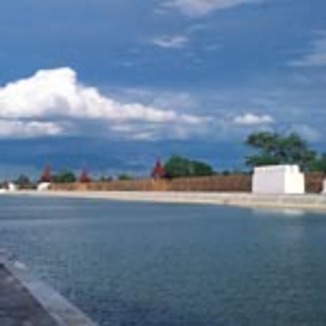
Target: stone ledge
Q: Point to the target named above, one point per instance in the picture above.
(24, 300)
(306, 202)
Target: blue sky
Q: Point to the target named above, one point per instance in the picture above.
(112, 84)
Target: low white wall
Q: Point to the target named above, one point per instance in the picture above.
(278, 179)
(324, 187)
(43, 186)
(12, 187)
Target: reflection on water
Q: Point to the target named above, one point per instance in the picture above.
(280, 211)
(153, 264)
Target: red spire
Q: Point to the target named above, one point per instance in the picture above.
(84, 177)
(46, 175)
(158, 171)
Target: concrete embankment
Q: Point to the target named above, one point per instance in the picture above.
(24, 300)
(308, 202)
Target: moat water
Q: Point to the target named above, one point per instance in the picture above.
(166, 264)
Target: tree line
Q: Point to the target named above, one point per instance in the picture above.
(266, 148)
(273, 149)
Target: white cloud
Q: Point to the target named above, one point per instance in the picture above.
(45, 102)
(196, 8)
(164, 99)
(316, 55)
(171, 42)
(249, 119)
(28, 128)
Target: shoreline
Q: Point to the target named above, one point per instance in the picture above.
(26, 300)
(306, 202)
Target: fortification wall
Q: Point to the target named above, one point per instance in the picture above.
(232, 183)
(218, 183)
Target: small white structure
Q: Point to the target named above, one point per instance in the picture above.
(8, 187)
(43, 186)
(278, 179)
(12, 187)
(324, 187)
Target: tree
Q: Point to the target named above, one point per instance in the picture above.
(279, 149)
(125, 177)
(319, 164)
(23, 182)
(178, 166)
(65, 177)
(201, 169)
(106, 178)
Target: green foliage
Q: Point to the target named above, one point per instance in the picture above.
(319, 164)
(65, 177)
(261, 160)
(201, 169)
(278, 149)
(178, 166)
(23, 182)
(125, 177)
(106, 179)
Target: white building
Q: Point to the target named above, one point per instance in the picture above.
(278, 179)
(324, 187)
(43, 186)
(12, 187)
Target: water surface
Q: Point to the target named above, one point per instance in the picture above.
(167, 264)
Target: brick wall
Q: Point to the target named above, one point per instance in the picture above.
(231, 183)
(216, 183)
(314, 182)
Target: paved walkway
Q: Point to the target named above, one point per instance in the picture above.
(17, 305)
(307, 202)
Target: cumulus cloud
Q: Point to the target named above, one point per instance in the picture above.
(45, 102)
(196, 8)
(249, 119)
(164, 99)
(316, 55)
(171, 42)
(28, 128)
